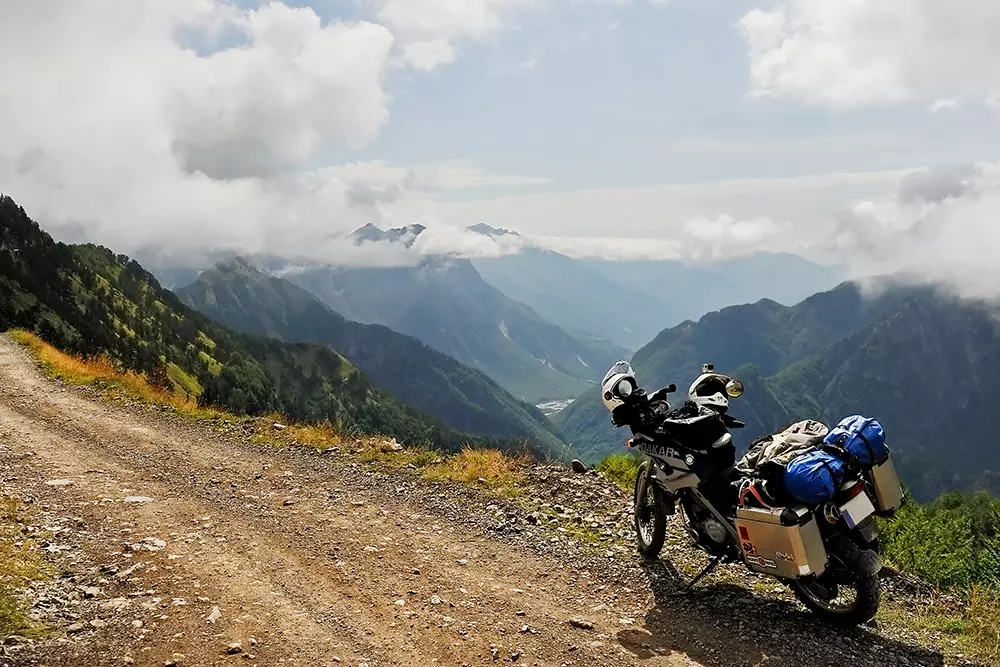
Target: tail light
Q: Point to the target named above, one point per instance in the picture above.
(853, 491)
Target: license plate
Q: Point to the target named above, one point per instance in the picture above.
(857, 509)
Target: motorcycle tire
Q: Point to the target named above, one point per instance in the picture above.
(649, 516)
(867, 587)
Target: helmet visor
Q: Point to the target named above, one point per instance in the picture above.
(620, 368)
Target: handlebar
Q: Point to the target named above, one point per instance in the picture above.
(661, 394)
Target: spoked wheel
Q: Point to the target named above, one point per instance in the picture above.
(848, 593)
(650, 518)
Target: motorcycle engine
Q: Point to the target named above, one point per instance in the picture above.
(714, 530)
(707, 533)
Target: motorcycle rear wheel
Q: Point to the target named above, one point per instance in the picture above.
(866, 586)
(649, 516)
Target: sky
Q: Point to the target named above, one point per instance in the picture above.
(862, 132)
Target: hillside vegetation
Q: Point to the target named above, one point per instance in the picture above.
(87, 300)
(237, 295)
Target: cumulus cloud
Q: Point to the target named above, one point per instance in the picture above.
(112, 123)
(854, 53)
(431, 30)
(410, 247)
(116, 128)
(940, 226)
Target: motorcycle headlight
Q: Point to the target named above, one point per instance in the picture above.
(623, 388)
(734, 388)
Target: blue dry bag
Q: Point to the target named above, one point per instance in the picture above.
(814, 477)
(862, 438)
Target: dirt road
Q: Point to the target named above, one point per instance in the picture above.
(162, 525)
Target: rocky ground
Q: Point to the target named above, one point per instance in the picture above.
(174, 543)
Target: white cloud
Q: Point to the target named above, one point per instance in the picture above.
(611, 247)
(858, 52)
(296, 84)
(659, 211)
(115, 127)
(109, 122)
(441, 241)
(448, 174)
(940, 225)
(430, 30)
(944, 105)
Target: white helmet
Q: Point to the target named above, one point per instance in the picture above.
(713, 390)
(619, 383)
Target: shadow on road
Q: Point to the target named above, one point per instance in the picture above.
(722, 625)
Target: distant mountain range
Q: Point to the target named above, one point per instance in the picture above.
(86, 299)
(445, 303)
(629, 302)
(238, 295)
(919, 360)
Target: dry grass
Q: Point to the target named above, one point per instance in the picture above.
(483, 467)
(316, 435)
(971, 625)
(982, 615)
(19, 564)
(103, 372)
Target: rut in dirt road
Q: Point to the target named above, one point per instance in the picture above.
(318, 560)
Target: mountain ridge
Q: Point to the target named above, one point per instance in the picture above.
(445, 303)
(834, 354)
(238, 295)
(88, 300)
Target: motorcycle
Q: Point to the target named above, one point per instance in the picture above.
(823, 552)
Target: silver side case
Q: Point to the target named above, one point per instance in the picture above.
(885, 482)
(786, 551)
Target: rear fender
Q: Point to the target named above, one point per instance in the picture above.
(866, 534)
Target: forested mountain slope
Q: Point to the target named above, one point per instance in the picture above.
(921, 361)
(86, 299)
(238, 295)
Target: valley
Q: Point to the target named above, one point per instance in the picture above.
(237, 295)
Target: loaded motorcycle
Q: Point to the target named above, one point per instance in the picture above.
(824, 551)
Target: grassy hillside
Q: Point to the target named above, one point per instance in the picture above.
(237, 295)
(86, 299)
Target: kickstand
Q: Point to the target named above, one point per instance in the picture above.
(708, 570)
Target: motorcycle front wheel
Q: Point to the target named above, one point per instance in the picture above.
(854, 599)
(650, 517)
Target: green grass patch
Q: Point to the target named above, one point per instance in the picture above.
(205, 341)
(620, 469)
(20, 563)
(488, 468)
(185, 382)
(213, 366)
